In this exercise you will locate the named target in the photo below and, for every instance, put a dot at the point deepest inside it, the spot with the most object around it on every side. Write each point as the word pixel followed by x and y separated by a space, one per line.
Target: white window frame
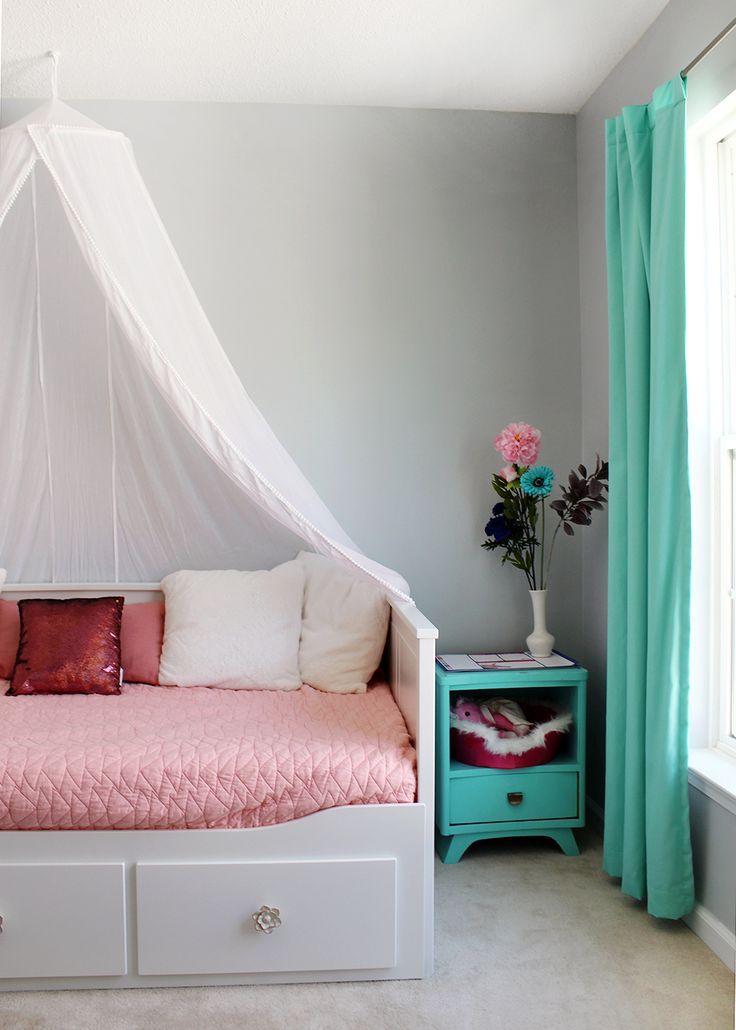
pixel 711 290
pixel 724 732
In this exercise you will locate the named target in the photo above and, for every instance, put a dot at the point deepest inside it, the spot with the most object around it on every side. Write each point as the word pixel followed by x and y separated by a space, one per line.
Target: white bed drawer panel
pixel 62 920
pixel 198 918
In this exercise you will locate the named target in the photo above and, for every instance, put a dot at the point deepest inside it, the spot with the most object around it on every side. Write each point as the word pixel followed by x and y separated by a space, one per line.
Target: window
pixel 712 417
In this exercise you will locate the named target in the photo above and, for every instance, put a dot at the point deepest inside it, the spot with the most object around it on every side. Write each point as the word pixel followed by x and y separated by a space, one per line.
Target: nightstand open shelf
pixel 479 803
pixel 560 763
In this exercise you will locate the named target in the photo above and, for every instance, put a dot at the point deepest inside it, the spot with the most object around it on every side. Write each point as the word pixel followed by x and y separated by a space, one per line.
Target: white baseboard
pixel 714 934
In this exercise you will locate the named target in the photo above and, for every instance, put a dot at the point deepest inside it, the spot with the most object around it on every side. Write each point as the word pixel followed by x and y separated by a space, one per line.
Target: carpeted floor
pixel 526 940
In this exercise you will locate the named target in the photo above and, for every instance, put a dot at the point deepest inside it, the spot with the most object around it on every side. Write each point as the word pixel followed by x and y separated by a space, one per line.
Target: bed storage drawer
pixel 62 920
pixel 198 918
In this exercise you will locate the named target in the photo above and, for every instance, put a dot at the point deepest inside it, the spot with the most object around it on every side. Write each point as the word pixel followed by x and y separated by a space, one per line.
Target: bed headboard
pixel 132 592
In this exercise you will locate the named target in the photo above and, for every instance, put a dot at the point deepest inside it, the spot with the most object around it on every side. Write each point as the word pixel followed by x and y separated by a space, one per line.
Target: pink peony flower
pixel 519 443
pixel 509 473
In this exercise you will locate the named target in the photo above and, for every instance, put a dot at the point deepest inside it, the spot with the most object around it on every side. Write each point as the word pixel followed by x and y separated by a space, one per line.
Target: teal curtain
pixel 647 829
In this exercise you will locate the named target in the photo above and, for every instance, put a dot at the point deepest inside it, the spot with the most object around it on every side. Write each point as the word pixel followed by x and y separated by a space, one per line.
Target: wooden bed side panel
pixel 412 677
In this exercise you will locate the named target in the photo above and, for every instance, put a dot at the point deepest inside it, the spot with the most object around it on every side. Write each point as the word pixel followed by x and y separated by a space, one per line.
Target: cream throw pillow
pixel 344 626
pixel 3 574
pixel 233 629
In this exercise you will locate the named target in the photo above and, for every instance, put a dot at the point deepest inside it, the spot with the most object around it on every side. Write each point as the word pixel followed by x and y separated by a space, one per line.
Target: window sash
pixel 725 572
pixel 711 256
pixel 727 199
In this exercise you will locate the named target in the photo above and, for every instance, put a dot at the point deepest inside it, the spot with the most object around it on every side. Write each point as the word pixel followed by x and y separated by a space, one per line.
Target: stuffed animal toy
pixel 505 715
pixel 501 734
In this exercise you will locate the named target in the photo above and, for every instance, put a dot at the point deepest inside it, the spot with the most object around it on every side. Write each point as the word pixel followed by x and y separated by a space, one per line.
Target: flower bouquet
pixel 518 522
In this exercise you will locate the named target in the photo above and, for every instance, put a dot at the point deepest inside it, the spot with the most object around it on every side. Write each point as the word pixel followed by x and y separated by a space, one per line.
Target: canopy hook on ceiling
pixel 53 55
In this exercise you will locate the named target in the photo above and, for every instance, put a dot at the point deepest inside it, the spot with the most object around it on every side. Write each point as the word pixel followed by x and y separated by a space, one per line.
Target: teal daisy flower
pixel 537 481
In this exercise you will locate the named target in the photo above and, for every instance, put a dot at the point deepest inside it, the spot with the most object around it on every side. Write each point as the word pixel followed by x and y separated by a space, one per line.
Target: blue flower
pixel 498 528
pixel 537 481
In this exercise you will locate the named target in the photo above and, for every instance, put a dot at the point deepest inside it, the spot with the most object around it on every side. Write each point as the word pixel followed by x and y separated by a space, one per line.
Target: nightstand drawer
pixel 513 797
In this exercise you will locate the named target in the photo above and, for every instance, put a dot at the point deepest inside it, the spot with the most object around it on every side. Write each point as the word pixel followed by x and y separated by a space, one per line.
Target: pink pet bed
pixel 475 741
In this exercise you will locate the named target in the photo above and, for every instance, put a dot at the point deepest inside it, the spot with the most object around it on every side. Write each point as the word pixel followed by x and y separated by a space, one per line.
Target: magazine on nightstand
pixel 502 661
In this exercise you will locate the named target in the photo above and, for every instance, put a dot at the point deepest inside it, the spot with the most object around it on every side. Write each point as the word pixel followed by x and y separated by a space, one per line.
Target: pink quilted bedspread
pixel 196 757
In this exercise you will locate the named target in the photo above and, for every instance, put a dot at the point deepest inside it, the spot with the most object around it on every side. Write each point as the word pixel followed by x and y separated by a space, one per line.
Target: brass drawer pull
pixel 515 798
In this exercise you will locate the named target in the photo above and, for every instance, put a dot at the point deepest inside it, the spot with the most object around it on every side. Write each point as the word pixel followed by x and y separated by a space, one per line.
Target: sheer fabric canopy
pixel 128 445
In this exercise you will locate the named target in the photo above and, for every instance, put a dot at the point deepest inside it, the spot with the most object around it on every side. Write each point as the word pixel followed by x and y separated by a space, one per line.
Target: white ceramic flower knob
pixel 267 919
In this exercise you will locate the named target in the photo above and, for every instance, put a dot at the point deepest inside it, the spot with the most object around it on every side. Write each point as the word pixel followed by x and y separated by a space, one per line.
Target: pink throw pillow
pixel 9 637
pixel 69 647
pixel 141 640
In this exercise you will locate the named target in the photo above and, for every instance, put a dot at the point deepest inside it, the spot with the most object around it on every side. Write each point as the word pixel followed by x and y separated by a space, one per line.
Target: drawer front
pixel 198 918
pixel 513 797
pixel 62 920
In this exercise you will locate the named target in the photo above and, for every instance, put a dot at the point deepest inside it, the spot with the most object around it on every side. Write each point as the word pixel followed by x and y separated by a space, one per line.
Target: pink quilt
pixel 196 757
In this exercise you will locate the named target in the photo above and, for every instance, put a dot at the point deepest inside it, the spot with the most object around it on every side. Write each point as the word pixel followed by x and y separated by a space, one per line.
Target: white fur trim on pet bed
pixel 495 744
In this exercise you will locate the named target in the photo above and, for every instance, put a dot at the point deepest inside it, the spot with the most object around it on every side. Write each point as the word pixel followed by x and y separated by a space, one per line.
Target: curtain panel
pixel 647 829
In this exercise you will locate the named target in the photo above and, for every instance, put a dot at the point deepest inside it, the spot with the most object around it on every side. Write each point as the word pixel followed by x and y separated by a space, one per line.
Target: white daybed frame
pixel 152 908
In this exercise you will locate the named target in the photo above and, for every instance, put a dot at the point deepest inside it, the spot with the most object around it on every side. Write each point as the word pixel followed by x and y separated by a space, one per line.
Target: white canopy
pixel 101 481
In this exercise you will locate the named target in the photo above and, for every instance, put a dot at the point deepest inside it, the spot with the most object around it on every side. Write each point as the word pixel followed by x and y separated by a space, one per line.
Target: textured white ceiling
pixel 519 55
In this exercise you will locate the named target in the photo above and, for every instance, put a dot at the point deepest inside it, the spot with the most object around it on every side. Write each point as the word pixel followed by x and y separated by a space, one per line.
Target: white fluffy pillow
pixel 3 574
pixel 233 629
pixel 344 626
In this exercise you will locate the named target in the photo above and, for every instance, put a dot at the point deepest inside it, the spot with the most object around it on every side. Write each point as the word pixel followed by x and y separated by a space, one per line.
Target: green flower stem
pixel 541 560
pixel 551 549
pixel 523 550
pixel 530 543
pixel 528 578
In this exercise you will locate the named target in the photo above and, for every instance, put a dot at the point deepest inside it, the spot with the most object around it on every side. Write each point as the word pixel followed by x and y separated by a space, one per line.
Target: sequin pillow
pixel 69 647
pixel 141 637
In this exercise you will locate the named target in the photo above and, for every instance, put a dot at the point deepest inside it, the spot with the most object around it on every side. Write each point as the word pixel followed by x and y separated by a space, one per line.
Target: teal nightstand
pixel 475 803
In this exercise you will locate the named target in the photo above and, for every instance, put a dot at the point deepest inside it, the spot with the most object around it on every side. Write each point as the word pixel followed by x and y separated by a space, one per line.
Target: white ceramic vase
pixel 540 641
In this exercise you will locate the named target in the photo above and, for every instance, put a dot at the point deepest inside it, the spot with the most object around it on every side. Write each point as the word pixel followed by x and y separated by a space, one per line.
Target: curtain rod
pixel 711 46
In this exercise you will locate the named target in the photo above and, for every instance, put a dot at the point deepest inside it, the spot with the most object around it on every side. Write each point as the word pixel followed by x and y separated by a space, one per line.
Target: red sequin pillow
pixel 69 647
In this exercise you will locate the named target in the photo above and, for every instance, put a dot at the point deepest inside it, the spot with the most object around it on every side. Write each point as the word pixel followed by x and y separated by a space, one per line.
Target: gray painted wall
pixel 681 31
pixel 714 848
pixel 392 286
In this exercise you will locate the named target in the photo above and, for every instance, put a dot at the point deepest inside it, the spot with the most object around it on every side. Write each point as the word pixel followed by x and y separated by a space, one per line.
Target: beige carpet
pixel 526 940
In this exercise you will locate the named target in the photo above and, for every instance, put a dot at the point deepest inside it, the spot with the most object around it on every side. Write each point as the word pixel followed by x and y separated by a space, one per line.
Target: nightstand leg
pixel 451 849
pixel 566 840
